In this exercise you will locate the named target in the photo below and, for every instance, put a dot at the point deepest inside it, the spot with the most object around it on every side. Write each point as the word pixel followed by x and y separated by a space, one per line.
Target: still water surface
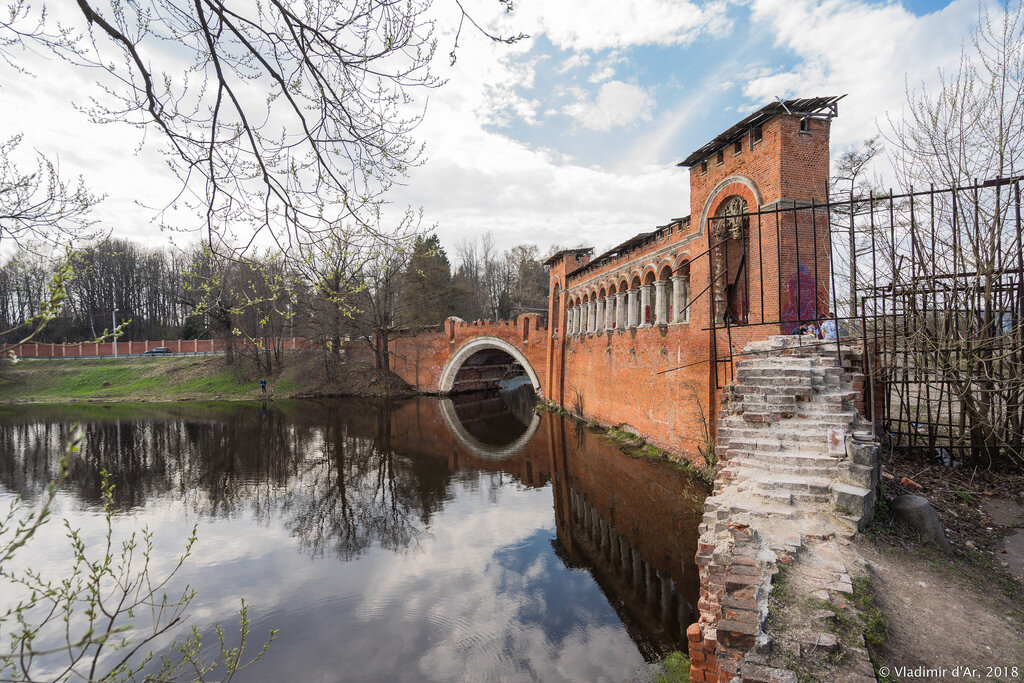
pixel 422 540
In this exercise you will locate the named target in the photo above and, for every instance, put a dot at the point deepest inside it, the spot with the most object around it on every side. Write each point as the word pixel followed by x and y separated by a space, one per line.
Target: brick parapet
pixel 668 244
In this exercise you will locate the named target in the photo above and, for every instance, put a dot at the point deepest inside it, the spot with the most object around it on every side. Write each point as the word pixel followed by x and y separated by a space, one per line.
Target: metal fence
pixel 931 281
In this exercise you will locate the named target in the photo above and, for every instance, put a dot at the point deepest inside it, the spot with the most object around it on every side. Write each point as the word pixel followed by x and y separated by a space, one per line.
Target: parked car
pixel 159 350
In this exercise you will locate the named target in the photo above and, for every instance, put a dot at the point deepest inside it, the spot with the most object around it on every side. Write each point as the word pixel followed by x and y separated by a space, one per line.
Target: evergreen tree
pixel 428 294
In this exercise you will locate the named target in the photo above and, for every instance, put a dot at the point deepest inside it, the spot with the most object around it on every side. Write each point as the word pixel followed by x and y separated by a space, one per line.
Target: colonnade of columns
pixel 629 309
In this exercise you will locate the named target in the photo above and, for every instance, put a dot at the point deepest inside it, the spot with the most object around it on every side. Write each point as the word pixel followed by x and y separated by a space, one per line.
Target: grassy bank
pixel 191 378
pixel 128 379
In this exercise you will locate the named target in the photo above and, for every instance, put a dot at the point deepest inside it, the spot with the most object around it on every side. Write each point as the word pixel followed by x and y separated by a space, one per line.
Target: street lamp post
pixel 113 321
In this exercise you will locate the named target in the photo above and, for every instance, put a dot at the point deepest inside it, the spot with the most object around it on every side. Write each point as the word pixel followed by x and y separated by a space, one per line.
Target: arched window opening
pixel 647 312
pixel 663 305
pixel 682 292
pixel 556 317
pixel 612 307
pixel 585 315
pixel 731 233
pixel 633 303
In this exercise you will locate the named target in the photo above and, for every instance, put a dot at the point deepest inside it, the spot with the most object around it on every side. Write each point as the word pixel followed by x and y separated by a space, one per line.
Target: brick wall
pixel 77 350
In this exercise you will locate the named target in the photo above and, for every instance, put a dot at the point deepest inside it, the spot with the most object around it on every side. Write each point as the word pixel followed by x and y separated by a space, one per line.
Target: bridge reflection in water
pixel 493 425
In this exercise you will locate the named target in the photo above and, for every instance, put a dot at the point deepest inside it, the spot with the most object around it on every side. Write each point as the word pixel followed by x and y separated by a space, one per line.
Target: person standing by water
pixel 263 385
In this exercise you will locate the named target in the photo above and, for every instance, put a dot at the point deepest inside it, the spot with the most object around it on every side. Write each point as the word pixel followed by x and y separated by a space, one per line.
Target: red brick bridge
pixel 470 356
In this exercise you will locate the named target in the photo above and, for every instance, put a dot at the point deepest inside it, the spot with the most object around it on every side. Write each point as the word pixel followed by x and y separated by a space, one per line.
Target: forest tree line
pixel 364 287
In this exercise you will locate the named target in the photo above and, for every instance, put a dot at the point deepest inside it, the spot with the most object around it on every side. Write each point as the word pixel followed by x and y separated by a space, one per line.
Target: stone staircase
pixel 790 433
pixel 797 469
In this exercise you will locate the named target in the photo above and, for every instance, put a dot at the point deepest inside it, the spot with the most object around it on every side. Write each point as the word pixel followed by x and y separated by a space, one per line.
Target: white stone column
pixel 645 303
pixel 609 312
pixel 620 311
pixel 631 306
pixel 570 322
pixel 599 319
pixel 660 303
pixel 591 314
pixel 679 299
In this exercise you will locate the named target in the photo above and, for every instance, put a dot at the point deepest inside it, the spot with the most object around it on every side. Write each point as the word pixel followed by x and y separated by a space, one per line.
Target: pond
pixel 426 539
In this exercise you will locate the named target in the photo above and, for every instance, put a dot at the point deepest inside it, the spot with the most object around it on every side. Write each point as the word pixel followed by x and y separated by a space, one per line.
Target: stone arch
pixel 743 186
pixel 623 284
pixel 476 345
pixel 476 446
pixel 635 282
pixel 729 234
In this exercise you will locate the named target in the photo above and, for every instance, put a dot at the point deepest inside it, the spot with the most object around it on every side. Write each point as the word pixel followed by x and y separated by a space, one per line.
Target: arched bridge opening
pixel 486 363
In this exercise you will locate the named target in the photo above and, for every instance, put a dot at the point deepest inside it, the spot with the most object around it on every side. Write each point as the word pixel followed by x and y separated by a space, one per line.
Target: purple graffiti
pixel 800 287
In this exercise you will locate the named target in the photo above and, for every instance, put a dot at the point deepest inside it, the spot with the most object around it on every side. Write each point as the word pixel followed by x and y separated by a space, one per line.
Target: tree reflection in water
pixel 345 477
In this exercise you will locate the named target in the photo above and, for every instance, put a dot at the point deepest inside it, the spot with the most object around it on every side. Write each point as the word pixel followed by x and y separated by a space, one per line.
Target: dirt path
pixel 943 612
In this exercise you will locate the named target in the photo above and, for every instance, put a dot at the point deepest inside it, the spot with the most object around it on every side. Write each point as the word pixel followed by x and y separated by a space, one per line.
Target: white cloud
pixel 601 24
pixel 602 74
pixel 869 51
pixel 575 61
pixel 617 104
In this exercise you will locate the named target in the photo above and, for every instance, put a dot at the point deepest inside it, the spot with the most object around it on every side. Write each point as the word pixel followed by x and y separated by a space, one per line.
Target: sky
pixel 571 136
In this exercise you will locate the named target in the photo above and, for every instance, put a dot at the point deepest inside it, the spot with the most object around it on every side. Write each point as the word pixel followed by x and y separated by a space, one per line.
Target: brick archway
pixel 476 345
pixel 733 185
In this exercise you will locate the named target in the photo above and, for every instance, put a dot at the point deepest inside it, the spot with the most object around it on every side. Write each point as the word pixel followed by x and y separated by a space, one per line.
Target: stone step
pixel 791 498
pixel 795 416
pixel 800 458
pixel 760 469
pixel 852 501
pixel 797 483
pixel 759 506
pixel 794 489
pixel 863 476
pixel 807 438
pixel 785 429
pixel 813 412
pixel 784 497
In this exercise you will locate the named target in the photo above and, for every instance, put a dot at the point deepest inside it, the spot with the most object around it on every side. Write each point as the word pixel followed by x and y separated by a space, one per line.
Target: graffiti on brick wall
pixel 800 296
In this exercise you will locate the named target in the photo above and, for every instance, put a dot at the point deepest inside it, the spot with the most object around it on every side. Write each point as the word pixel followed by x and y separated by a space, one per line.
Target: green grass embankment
pixel 130 379
pixel 189 378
